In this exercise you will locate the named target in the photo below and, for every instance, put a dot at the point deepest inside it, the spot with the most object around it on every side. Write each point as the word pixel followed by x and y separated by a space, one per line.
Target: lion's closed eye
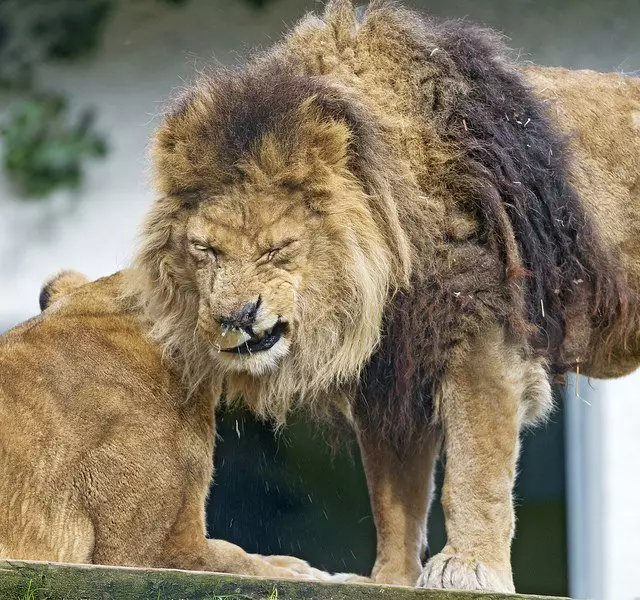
pixel 202 250
pixel 271 253
pixel 279 252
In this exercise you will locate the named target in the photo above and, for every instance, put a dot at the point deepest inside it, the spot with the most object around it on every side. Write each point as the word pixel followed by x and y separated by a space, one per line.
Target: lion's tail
pixel 60 285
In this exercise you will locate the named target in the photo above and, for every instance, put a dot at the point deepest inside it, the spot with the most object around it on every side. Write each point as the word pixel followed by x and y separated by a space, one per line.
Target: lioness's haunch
pixel 379 215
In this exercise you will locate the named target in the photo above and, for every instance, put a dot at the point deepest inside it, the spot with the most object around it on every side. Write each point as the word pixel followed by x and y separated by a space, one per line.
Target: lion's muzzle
pixel 253 328
pixel 242 319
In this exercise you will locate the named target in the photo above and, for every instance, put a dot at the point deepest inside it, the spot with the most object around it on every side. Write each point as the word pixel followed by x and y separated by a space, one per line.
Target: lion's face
pixel 274 243
pixel 251 255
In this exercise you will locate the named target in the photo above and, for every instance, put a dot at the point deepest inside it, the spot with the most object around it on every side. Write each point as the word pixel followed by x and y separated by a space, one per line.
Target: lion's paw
pixel 303 570
pixel 458 572
pixel 300 567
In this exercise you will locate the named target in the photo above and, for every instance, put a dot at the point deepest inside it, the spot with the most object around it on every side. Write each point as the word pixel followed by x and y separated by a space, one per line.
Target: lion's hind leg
pixel 41 517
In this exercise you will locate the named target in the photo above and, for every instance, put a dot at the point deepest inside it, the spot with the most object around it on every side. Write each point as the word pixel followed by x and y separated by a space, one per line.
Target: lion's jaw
pixel 256 363
pixel 255 349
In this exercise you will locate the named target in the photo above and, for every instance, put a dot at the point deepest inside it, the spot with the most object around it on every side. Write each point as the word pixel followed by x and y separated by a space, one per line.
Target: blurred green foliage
pixel 44 149
pixel 45 144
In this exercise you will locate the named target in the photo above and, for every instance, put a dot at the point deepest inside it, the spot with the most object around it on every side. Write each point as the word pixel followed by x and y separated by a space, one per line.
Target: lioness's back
pixel 58 352
pixel 67 378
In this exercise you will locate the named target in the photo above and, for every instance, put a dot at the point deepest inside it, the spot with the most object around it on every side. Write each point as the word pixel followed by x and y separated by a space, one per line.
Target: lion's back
pixel 86 354
pixel 68 378
pixel 81 336
pixel 600 112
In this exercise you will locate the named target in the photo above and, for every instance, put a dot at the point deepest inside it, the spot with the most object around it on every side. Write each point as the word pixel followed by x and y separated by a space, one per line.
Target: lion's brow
pixel 279 217
pixel 222 224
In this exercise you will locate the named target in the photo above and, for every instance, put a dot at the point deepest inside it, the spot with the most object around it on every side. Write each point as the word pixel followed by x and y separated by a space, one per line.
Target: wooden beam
pixel 30 580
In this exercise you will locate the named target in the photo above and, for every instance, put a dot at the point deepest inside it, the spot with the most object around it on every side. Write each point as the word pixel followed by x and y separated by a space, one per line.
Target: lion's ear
pixel 322 136
pixel 323 160
pixel 331 141
pixel 309 160
pixel 182 148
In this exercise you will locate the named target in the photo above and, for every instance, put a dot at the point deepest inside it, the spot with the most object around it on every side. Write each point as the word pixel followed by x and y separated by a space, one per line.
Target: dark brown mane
pixel 535 256
pixel 247 104
pixel 517 164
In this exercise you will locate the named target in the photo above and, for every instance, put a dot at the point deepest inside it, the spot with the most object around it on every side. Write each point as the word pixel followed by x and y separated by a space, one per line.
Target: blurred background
pixel 82 83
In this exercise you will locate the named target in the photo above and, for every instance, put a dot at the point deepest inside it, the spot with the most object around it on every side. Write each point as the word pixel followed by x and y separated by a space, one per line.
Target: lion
pixel 389 218
pixel 101 459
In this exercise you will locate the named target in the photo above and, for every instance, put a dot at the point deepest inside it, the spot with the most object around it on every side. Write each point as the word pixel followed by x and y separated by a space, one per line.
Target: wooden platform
pixel 27 580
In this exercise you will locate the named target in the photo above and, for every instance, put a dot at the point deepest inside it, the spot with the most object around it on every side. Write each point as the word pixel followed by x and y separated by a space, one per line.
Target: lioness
pixel 101 458
pixel 379 215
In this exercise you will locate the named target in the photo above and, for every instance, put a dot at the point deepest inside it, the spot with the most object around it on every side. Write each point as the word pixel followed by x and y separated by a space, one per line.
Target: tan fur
pixel 60 285
pixel 599 113
pixel 339 217
pixel 101 459
pixel 350 258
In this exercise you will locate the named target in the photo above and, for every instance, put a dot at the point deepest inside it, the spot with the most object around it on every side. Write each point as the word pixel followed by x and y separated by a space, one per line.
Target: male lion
pixel 381 215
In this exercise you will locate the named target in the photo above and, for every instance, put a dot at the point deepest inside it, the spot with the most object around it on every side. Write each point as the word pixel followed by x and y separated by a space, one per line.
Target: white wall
pixel 603 476
pixel 149 51
pixel 621 487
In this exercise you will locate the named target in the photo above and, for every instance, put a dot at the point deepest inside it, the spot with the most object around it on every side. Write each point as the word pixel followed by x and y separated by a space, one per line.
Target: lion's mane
pixel 338 328
pixel 462 212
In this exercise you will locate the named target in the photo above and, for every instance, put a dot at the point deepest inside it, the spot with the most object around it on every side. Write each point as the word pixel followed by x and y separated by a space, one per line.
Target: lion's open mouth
pixel 261 342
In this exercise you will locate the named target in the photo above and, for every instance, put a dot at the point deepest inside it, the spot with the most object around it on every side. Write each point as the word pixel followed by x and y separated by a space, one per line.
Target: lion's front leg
pixel 202 554
pixel 400 492
pixel 192 551
pixel 479 409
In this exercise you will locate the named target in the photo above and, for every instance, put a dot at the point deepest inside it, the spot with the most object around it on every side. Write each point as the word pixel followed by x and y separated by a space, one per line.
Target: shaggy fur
pixel 426 230
pixel 510 174
pixel 441 258
pixel 526 254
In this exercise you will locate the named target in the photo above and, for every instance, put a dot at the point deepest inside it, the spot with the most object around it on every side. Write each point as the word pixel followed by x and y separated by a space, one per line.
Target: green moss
pixel 48 581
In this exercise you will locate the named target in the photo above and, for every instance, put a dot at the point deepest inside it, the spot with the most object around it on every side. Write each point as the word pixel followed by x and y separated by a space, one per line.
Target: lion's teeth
pixel 262 334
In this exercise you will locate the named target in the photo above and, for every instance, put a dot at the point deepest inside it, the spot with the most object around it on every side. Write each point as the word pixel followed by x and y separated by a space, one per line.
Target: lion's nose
pixel 244 318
